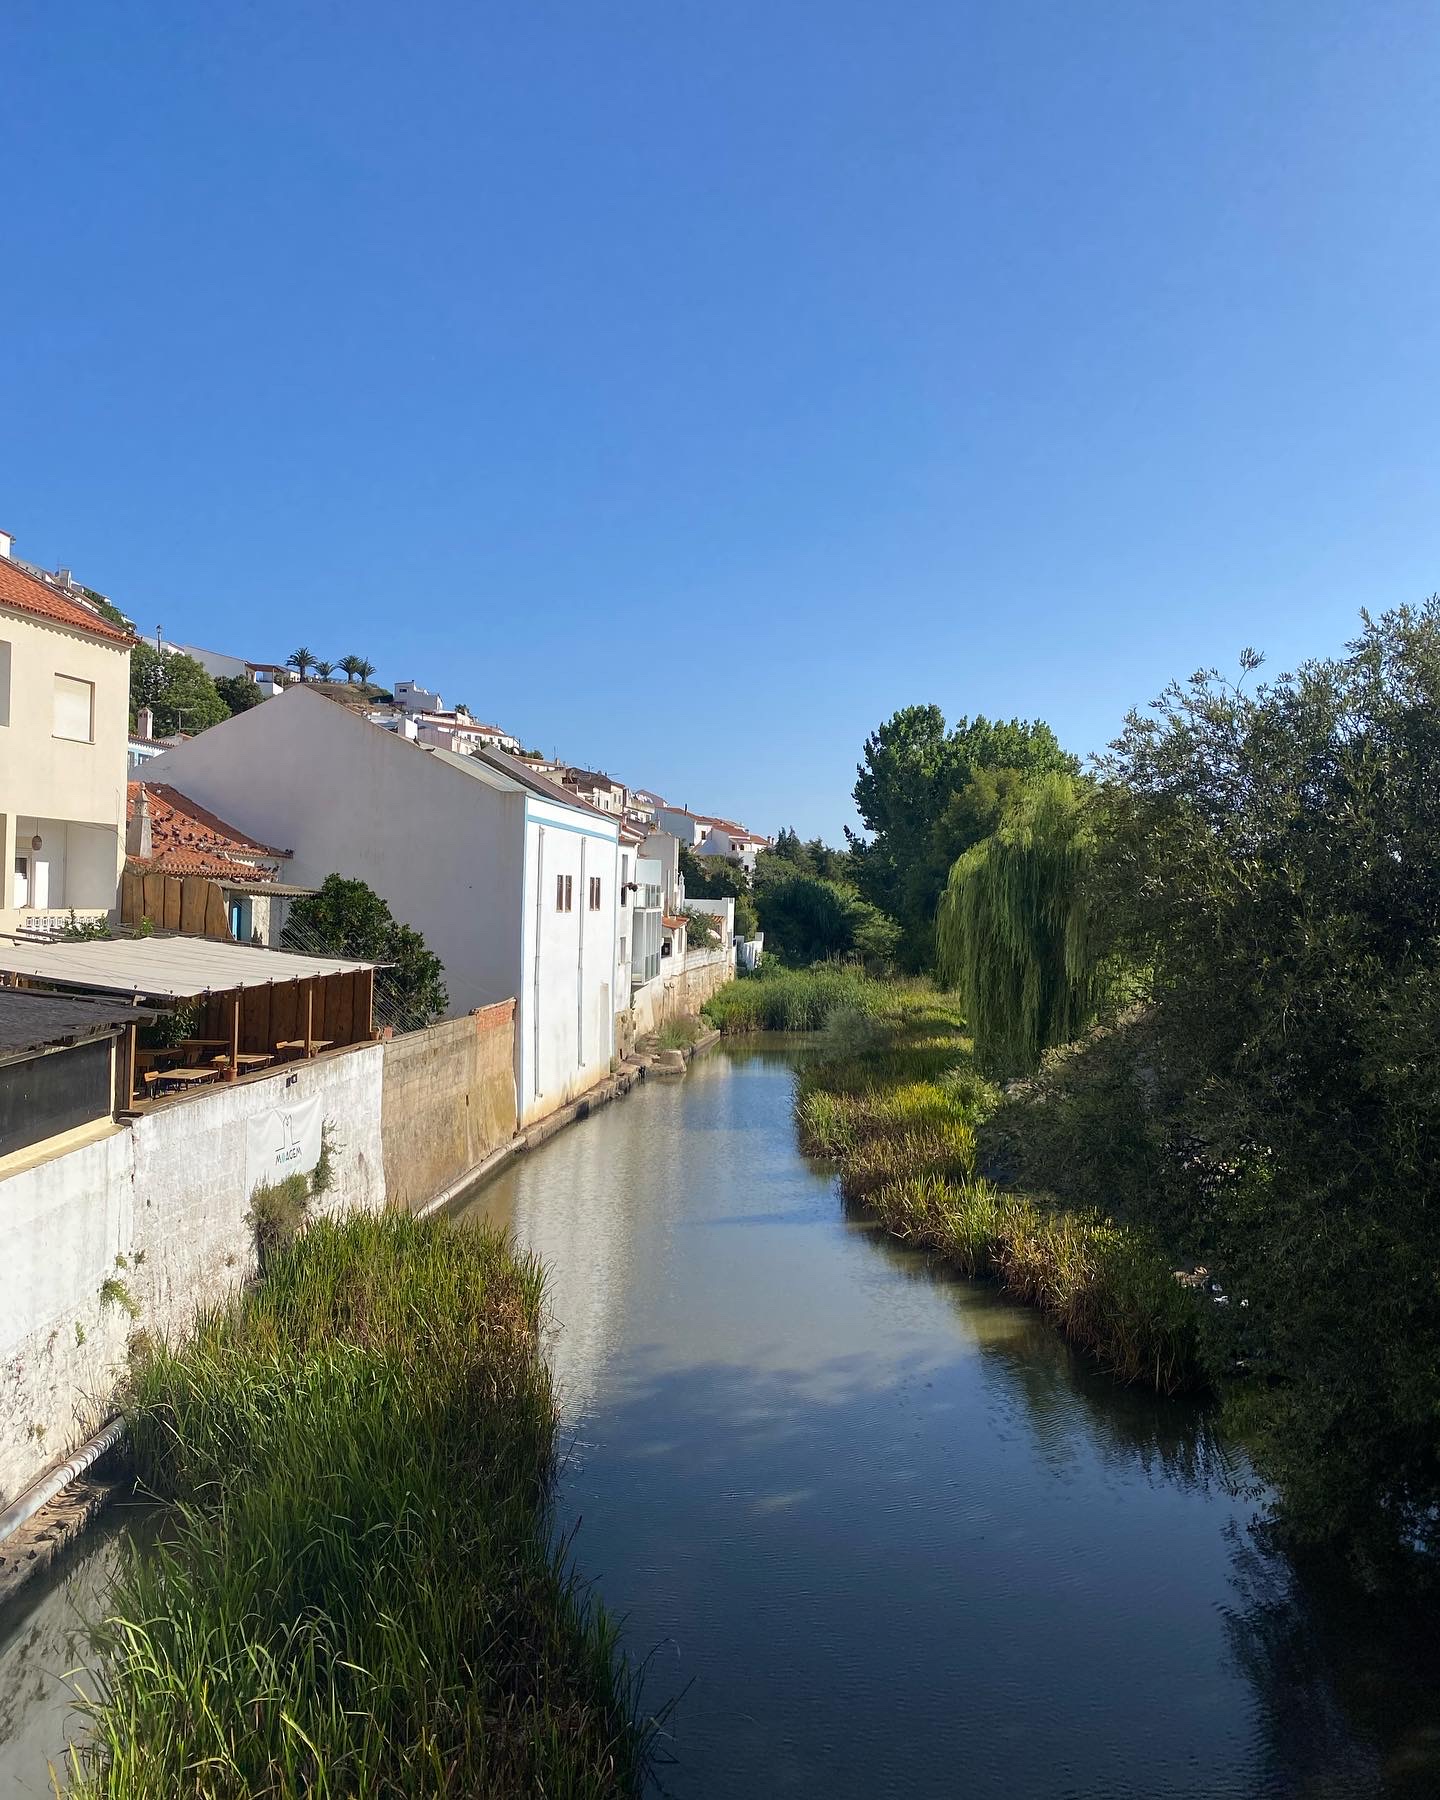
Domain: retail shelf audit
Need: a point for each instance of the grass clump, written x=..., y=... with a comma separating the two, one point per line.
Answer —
x=779, y=999
x=359, y=1592
x=898, y=1109
x=679, y=1034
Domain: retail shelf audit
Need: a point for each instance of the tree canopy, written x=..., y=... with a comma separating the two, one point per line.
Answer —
x=348, y=918
x=176, y=689
x=913, y=769
x=238, y=692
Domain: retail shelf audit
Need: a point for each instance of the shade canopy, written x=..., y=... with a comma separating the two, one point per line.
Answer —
x=166, y=968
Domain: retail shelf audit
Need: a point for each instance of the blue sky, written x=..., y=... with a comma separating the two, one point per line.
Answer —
x=689, y=385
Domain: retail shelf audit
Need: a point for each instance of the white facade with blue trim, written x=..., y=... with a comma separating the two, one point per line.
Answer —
x=512, y=882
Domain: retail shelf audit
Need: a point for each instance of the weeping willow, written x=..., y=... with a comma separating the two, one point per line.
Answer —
x=1013, y=933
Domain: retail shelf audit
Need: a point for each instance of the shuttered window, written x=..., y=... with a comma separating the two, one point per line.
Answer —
x=74, y=709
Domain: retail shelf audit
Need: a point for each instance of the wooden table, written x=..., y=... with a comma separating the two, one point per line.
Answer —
x=187, y=1078
x=298, y=1044
x=246, y=1059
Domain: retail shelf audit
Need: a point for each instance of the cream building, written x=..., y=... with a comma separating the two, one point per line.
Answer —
x=64, y=726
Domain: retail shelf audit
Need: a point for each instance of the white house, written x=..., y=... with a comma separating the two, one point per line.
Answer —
x=732, y=842
x=512, y=882
x=679, y=823
x=270, y=678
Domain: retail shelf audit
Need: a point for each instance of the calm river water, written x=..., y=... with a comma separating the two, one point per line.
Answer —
x=875, y=1531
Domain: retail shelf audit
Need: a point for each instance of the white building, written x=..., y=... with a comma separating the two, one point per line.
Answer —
x=414, y=699
x=732, y=842
x=270, y=678
x=512, y=882
x=686, y=826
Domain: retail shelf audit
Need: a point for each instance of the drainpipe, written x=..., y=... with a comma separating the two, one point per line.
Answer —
x=580, y=963
x=45, y=1490
x=539, y=926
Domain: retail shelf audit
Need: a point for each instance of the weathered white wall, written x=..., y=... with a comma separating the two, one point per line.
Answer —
x=682, y=992
x=167, y=1193
x=565, y=1027
x=440, y=845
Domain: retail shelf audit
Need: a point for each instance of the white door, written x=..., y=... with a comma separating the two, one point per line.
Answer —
x=40, y=883
x=22, y=881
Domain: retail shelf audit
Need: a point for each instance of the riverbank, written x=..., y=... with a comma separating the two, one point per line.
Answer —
x=892, y=1097
x=357, y=1458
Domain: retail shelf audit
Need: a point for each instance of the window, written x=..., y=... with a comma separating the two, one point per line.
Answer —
x=564, y=886
x=4, y=683
x=594, y=893
x=624, y=870
x=74, y=709
x=623, y=956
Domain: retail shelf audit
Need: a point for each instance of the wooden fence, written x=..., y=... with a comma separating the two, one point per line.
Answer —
x=188, y=903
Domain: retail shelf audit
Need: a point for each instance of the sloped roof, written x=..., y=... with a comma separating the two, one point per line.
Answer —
x=27, y=594
x=166, y=968
x=36, y=1021
x=188, y=839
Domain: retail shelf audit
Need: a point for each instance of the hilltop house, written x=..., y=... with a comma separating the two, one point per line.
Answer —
x=724, y=838
x=512, y=881
x=64, y=709
x=598, y=790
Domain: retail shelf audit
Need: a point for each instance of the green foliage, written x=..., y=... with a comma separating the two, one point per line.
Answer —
x=176, y=689
x=812, y=857
x=701, y=931
x=747, y=918
x=1013, y=933
x=277, y=1212
x=712, y=877
x=912, y=770
x=238, y=692
x=348, y=918
x=357, y=1589
x=894, y=1099
x=83, y=931
x=115, y=1292
x=1272, y=859
x=107, y=610
x=678, y=1034
x=807, y=919
x=779, y=999
x=301, y=661
x=167, y=1029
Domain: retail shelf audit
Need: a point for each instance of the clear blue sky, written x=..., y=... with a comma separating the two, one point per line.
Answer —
x=688, y=384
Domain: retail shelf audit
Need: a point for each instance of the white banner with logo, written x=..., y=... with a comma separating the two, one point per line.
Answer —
x=284, y=1141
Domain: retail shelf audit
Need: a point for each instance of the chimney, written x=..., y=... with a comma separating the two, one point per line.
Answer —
x=63, y=577
x=145, y=723
x=7, y=543
x=137, y=827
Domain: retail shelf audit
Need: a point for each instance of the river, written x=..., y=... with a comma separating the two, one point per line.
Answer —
x=875, y=1531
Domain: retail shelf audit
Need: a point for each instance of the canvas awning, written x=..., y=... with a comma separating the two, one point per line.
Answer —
x=166, y=968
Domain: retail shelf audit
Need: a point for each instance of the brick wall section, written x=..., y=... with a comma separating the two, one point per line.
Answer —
x=448, y=1100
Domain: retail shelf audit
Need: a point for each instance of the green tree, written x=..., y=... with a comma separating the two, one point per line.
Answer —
x=238, y=692
x=324, y=670
x=176, y=689
x=1014, y=931
x=364, y=669
x=350, y=665
x=1271, y=861
x=348, y=918
x=301, y=661
x=807, y=919
x=711, y=877
x=912, y=768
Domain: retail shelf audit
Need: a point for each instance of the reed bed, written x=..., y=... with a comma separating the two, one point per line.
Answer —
x=359, y=1592
x=897, y=1110
x=779, y=999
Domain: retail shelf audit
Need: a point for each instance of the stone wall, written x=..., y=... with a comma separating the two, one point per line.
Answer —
x=683, y=992
x=448, y=1101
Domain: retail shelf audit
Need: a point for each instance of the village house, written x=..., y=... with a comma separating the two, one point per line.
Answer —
x=64, y=710
x=270, y=677
x=602, y=791
x=724, y=838
x=512, y=881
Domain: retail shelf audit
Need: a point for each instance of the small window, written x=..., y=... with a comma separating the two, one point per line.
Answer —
x=594, y=893
x=623, y=956
x=564, y=891
x=74, y=709
x=624, y=870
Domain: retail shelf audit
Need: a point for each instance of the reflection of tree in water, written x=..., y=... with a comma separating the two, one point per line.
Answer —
x=1072, y=1404
x=1348, y=1688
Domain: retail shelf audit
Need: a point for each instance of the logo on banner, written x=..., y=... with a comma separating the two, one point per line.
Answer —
x=282, y=1141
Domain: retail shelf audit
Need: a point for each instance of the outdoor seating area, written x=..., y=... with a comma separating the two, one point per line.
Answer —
x=242, y=1009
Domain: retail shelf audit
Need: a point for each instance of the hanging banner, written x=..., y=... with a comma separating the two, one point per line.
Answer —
x=284, y=1141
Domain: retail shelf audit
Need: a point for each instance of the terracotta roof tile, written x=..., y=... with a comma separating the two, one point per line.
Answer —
x=187, y=839
x=29, y=595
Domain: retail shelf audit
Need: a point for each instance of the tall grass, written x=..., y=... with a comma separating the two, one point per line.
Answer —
x=779, y=999
x=897, y=1110
x=359, y=1594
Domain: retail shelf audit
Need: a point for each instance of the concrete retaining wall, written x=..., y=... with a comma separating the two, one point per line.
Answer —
x=448, y=1101
x=682, y=993
x=156, y=1206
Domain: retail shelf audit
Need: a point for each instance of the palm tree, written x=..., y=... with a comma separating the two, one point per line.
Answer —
x=350, y=664
x=364, y=669
x=324, y=670
x=300, y=660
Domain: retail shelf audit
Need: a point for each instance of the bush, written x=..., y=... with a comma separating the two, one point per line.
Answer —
x=790, y=999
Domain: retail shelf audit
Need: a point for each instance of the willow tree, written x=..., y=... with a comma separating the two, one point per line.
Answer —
x=1013, y=931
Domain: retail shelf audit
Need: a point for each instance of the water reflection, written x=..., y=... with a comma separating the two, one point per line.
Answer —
x=896, y=1536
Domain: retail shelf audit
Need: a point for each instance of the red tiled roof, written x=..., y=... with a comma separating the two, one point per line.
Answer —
x=674, y=924
x=28, y=594
x=186, y=839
